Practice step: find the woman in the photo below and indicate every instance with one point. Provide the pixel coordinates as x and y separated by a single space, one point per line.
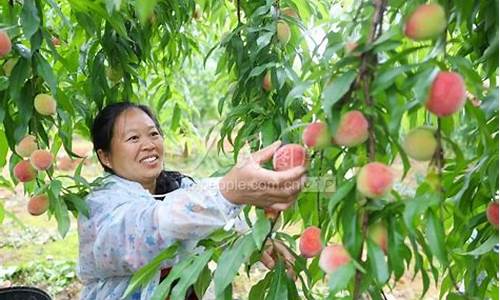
127 227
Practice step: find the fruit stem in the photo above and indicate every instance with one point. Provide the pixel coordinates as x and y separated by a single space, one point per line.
365 78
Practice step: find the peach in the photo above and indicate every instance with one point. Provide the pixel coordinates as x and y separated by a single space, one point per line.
8 66
375 180
333 257
26 146
267 84
420 144
428 21
45 104
316 136
114 74
446 95
38 204
310 244
283 32
41 159
352 129
55 41
289 156
24 171
351 46
492 214
290 12
378 234
5 44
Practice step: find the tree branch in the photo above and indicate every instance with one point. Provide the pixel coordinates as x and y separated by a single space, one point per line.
364 80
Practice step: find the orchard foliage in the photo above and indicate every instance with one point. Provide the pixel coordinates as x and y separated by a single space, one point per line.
282 65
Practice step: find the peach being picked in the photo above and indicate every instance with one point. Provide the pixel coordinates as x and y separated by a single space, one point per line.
289 156
24 171
41 159
420 144
38 204
447 94
375 180
428 21
310 244
26 146
333 257
352 129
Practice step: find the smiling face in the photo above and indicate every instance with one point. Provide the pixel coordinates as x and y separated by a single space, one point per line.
136 151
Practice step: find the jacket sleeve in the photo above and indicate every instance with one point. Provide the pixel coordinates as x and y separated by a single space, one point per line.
130 232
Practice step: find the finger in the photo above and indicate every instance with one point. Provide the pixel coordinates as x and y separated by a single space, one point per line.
267 260
279 178
266 153
281 206
284 251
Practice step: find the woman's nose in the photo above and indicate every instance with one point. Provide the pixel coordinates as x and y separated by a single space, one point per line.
148 144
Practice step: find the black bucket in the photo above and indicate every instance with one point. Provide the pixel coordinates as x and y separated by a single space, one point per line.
23 293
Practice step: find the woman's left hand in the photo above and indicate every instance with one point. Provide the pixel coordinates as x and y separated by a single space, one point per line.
274 249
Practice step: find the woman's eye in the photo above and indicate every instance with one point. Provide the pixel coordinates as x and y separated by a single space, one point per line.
133 138
155 133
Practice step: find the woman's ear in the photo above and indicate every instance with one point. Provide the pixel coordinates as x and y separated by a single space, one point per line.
104 158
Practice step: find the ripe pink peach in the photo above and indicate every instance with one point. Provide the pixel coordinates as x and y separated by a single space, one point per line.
290 12
45 104
289 156
333 257
310 244
428 21
26 146
41 159
5 44
38 204
316 136
352 129
492 214
447 94
24 171
375 180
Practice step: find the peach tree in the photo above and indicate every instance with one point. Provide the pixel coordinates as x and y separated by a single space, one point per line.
368 90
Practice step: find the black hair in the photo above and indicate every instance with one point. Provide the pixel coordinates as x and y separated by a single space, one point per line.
102 133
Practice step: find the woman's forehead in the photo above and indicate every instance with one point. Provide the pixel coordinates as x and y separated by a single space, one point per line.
133 119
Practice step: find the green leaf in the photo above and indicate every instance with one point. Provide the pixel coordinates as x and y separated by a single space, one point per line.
58 206
145 9
230 261
435 236
163 289
260 229
176 117
378 264
45 71
146 273
258 291
485 247
336 89
30 21
278 289
297 91
340 194
191 274
203 282
339 280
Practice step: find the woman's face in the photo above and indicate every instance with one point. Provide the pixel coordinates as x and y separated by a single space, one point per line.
136 148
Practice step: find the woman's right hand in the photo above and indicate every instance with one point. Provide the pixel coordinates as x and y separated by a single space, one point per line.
249 183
